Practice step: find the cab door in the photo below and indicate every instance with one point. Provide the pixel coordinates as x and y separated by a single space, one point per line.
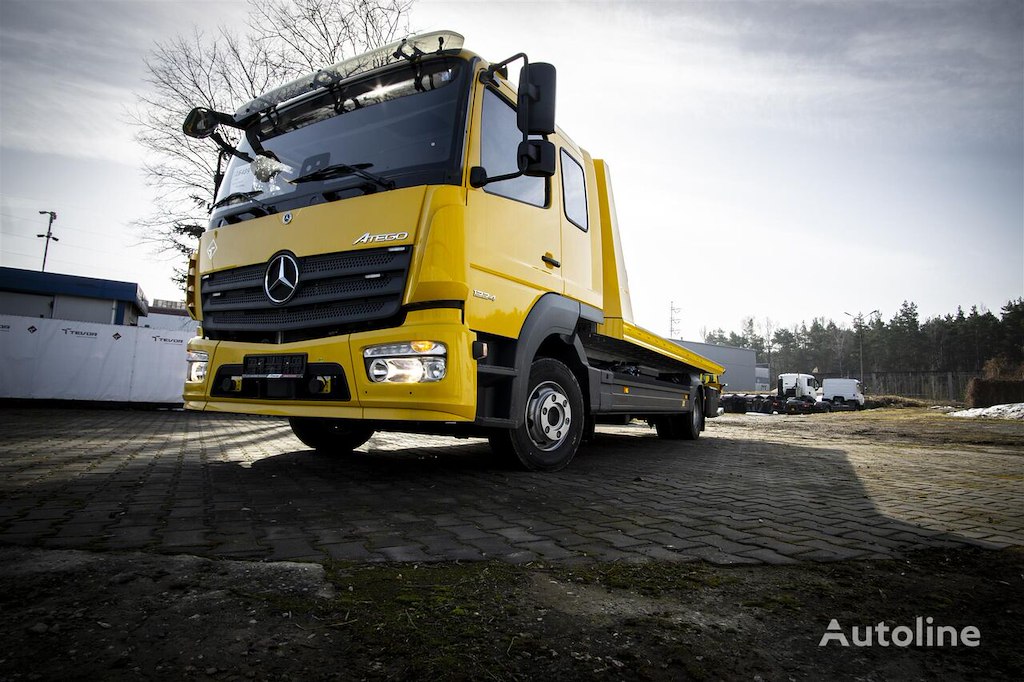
513 230
581 266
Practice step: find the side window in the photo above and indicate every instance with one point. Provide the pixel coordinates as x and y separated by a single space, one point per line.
574 192
499 145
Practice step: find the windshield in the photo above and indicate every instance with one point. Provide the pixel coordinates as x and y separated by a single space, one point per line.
397 129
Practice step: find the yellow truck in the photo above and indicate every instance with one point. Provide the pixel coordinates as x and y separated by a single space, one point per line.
405 241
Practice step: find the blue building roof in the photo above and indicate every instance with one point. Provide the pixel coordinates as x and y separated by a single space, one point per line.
50 283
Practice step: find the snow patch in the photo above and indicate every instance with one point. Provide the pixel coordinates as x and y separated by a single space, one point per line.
1012 411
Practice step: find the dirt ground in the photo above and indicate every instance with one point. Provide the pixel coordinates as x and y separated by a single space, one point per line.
82 615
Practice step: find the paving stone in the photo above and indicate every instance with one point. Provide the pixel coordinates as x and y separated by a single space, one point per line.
620 540
517 535
347 551
468 532
769 557
405 553
547 550
837 554
129 537
292 549
184 538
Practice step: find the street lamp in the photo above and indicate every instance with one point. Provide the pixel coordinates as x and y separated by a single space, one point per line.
858 322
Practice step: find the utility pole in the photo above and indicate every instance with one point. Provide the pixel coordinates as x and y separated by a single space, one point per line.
858 323
673 321
48 236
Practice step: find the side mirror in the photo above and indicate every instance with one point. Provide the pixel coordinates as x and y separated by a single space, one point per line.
537 158
477 177
535 116
536 105
202 122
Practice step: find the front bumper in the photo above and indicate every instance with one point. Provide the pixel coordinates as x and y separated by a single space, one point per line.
453 398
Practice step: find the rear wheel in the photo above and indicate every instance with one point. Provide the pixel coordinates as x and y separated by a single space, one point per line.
330 435
694 422
686 426
551 431
670 427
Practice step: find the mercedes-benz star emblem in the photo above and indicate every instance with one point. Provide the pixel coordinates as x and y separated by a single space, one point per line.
282 278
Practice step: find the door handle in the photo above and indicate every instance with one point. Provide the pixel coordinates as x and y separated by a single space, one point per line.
549 259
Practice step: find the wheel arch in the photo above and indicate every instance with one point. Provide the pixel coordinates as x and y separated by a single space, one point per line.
550 331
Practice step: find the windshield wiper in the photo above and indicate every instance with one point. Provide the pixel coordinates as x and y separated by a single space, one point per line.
340 170
236 197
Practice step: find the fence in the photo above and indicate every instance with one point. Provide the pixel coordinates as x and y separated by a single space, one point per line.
56 359
947 386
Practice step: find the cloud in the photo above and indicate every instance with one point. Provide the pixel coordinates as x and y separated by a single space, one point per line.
905 71
69 70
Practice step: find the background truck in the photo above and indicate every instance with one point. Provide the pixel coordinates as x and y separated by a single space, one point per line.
843 393
404 241
794 394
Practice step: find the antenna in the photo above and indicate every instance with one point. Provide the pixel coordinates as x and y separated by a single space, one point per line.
48 236
673 321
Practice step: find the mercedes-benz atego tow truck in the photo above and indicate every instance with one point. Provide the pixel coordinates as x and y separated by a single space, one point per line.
404 241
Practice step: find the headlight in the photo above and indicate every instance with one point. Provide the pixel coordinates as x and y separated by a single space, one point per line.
407 363
197 361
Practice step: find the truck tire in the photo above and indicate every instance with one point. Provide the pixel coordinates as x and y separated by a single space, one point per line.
670 427
685 426
330 435
693 423
551 432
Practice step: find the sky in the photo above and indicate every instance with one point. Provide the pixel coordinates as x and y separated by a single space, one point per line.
778 160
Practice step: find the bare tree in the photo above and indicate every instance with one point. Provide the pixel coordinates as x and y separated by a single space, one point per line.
312 34
768 326
222 69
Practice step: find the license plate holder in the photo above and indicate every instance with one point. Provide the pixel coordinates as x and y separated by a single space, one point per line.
280 366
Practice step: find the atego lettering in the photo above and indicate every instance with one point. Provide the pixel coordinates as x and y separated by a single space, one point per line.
376 238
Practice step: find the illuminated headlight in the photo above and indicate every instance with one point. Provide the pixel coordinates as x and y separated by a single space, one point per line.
406 363
197 361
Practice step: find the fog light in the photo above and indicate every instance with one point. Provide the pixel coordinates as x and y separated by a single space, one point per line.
406 363
197 361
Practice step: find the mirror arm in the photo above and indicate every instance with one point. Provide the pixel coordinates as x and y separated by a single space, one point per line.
478 178
501 67
254 141
228 149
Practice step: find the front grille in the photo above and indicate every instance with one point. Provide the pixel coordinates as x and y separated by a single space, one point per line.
338 293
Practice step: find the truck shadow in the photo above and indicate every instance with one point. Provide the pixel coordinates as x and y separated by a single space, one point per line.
215 487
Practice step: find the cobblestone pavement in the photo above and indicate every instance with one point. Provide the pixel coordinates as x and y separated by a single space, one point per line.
244 487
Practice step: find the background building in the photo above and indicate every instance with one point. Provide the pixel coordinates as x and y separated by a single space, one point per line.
28 293
170 315
740 363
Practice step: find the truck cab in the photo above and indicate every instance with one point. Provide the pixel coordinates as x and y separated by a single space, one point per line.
406 241
797 386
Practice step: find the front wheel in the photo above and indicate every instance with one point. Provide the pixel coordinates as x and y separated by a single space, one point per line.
553 426
330 435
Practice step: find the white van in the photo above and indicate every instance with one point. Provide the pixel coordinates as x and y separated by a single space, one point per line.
839 391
